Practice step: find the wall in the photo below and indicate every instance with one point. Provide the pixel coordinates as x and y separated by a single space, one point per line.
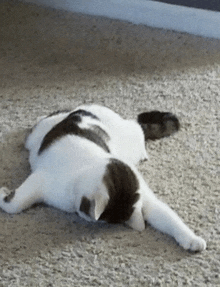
213 5
152 13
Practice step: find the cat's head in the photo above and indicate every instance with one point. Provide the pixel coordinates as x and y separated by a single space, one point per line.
117 199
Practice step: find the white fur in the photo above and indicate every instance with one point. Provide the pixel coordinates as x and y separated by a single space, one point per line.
73 167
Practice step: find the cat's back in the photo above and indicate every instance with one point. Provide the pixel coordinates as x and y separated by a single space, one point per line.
87 117
126 135
66 134
43 126
86 133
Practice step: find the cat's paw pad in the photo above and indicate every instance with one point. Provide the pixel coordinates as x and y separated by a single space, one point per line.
194 243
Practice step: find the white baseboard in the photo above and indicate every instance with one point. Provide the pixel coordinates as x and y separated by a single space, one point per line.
154 14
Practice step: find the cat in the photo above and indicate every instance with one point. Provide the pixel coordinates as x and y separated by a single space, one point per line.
85 161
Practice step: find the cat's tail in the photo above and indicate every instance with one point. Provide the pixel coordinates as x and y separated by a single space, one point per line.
157 124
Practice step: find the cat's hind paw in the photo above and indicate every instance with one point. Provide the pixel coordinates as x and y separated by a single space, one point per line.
195 243
157 124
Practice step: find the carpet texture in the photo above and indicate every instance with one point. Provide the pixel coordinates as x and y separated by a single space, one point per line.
52 60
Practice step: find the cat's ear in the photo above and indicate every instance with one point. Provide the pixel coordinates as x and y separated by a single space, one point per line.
137 220
98 205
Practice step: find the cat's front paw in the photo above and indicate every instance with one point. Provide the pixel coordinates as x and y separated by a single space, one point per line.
5 194
4 191
194 243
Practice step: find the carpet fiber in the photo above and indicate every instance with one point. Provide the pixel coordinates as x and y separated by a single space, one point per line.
52 60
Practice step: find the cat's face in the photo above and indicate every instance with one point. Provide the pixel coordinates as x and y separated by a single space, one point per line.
117 200
122 186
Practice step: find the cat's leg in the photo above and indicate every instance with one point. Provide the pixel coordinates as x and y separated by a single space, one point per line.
163 218
26 195
156 125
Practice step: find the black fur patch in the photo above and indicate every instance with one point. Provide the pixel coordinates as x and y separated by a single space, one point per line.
122 186
9 197
58 112
85 113
100 133
157 124
79 112
85 205
70 126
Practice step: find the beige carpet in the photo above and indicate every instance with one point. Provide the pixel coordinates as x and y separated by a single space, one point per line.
52 60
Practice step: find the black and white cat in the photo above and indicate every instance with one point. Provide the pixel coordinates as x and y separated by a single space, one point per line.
84 161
